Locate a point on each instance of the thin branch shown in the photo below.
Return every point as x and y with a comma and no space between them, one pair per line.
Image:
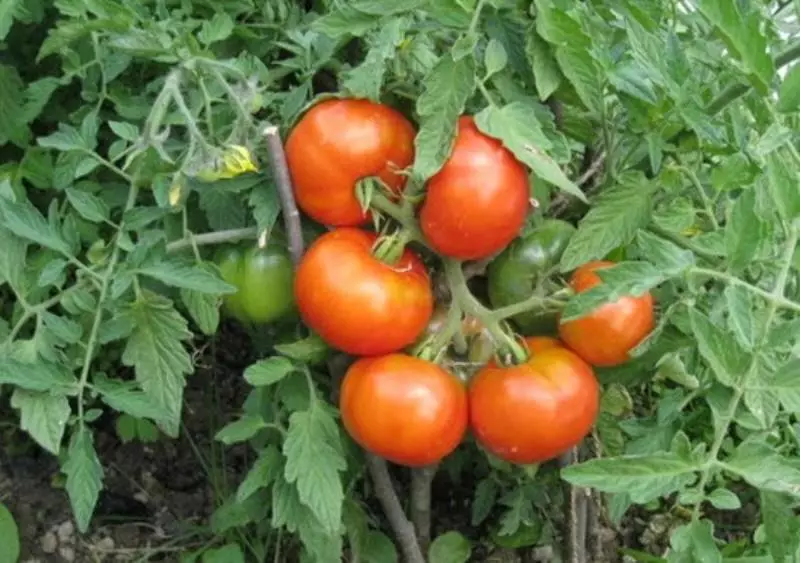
577,512
379,471
280,171
403,529
217,237
421,482
593,169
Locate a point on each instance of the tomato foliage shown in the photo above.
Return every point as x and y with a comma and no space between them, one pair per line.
482,157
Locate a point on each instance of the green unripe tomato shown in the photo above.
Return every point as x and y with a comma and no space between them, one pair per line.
264,279
517,272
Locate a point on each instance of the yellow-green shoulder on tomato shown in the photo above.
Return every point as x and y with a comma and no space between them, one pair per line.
519,270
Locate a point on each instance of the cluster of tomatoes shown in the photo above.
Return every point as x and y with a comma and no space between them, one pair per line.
407,409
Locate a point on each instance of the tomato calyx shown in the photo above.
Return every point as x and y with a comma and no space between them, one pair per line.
389,248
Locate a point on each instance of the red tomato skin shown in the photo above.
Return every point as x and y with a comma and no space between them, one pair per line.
477,203
604,337
336,143
357,303
536,411
405,409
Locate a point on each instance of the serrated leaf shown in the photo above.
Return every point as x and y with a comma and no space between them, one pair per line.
763,468
386,7
269,371
125,397
483,501
12,126
25,221
786,384
546,74
230,553
266,206
186,275
63,328
37,376
741,322
613,221
218,28
240,430
643,477
620,280
723,499
518,127
43,415
789,93
10,534
310,350
495,57
780,524
719,349
65,139
668,257
343,21
450,547
313,461
377,547
54,273
12,259
782,182
745,231
366,79
265,470
447,88
155,351
124,130
203,308
695,542
742,32
84,476
7,10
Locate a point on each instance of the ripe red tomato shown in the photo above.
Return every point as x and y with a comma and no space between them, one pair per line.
403,408
357,303
477,203
604,337
535,411
338,142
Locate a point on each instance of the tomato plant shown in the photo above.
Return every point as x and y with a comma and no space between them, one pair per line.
537,410
523,268
356,302
605,336
477,203
263,278
340,141
405,409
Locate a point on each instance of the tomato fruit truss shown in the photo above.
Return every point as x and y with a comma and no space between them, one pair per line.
405,409
518,272
356,302
537,410
338,142
477,203
606,336
264,281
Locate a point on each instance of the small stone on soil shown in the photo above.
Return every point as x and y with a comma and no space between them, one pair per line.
66,532
105,544
49,542
67,553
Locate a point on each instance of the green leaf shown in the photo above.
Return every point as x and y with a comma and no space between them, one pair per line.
786,385
789,94
613,221
67,138
217,29
42,415
723,499
230,553
7,10
495,58
782,181
269,371
266,206
84,476
123,130
91,207
125,397
12,259
309,350
366,80
155,351
450,547
483,502
37,376
719,349
240,430
12,126
741,323
343,21
763,468
264,471
643,477
668,257
313,461
377,547
545,68
742,33
517,126
25,221
620,280
696,542
9,532
780,524
447,89
180,273
62,328
203,308
745,231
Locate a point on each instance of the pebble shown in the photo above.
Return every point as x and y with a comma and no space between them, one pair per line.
105,544
141,496
49,542
67,553
66,531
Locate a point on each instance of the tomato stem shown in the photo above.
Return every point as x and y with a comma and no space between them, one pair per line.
433,348
389,248
468,303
